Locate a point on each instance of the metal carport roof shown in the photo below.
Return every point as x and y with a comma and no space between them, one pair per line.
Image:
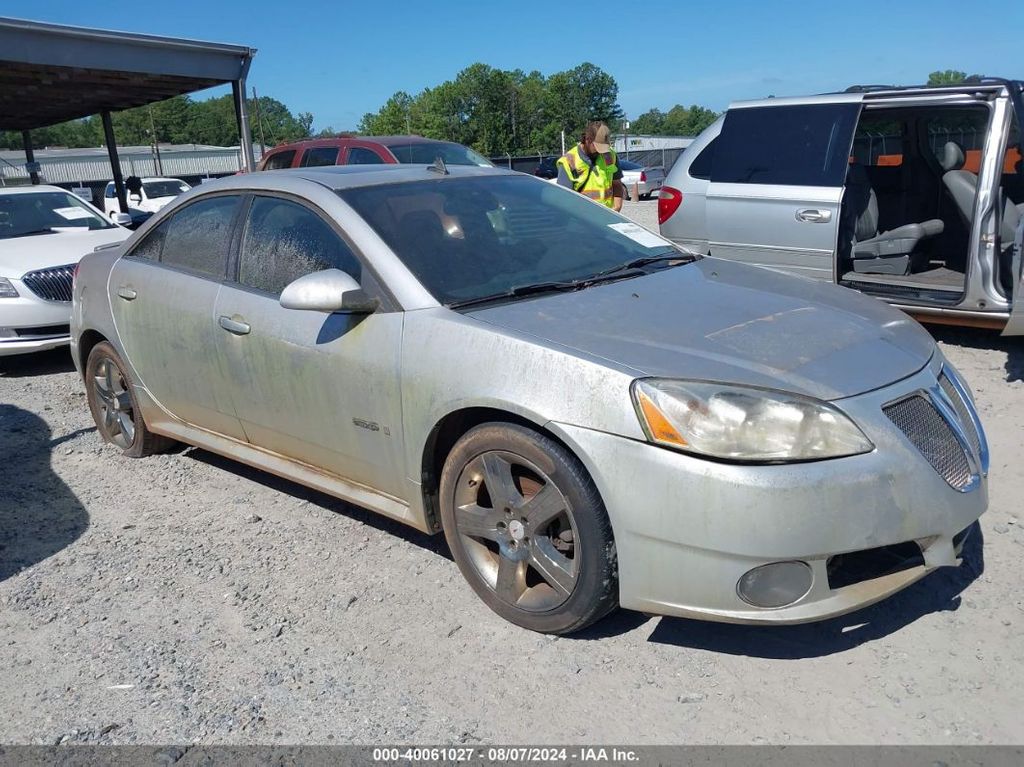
50,73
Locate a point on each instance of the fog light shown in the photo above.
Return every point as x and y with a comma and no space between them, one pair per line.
775,585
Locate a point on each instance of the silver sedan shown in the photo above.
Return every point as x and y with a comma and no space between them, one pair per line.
592,416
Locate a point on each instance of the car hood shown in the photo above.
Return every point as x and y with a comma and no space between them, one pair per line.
720,321
153,204
25,254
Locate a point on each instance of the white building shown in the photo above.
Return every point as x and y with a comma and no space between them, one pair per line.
643,143
91,165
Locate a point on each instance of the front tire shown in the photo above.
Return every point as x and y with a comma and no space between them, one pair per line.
114,406
528,529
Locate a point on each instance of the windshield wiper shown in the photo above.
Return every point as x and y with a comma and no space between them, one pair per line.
622,271
47,230
518,291
637,263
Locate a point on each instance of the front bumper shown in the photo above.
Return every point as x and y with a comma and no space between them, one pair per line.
31,324
687,529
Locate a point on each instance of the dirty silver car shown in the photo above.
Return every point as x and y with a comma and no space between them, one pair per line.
591,415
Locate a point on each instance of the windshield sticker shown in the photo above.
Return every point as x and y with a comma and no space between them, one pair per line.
72,213
639,235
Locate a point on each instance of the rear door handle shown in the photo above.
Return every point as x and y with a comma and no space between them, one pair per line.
127,293
234,326
814,216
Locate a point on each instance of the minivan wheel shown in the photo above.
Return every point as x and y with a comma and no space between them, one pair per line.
114,406
528,529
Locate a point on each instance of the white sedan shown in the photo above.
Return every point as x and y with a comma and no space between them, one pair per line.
44,231
151,197
647,180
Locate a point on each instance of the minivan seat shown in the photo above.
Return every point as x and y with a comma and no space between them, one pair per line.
875,252
963,186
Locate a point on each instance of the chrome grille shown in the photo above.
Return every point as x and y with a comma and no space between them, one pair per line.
929,432
966,422
53,284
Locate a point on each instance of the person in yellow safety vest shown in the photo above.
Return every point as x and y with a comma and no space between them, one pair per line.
591,168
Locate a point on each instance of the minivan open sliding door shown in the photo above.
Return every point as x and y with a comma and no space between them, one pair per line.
777,183
1015,325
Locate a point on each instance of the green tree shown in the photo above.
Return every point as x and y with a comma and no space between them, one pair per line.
580,95
178,120
497,111
392,118
650,123
946,77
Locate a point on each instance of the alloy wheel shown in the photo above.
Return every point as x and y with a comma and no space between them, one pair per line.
117,413
518,531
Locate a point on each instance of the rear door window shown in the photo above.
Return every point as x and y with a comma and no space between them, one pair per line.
701,166
197,238
319,156
800,145
280,160
358,155
284,241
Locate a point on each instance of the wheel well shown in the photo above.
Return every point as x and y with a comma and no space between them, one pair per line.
86,342
450,430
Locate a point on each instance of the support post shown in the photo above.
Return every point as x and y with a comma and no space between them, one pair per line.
242,115
30,156
115,163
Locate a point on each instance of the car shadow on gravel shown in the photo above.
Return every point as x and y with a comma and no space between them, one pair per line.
940,591
39,515
432,543
975,338
37,364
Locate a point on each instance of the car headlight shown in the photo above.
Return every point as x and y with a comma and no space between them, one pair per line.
7,289
743,424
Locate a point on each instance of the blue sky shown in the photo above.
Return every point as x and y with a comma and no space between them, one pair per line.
341,59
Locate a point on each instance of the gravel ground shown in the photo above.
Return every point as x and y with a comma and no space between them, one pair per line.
183,598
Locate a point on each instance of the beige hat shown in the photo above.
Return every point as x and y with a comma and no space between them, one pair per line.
598,133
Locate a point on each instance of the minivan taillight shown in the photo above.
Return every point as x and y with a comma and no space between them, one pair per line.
643,177
669,200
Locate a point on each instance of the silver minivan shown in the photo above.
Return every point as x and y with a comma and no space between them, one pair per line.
912,194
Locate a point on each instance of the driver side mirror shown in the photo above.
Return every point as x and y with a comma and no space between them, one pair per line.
122,219
329,290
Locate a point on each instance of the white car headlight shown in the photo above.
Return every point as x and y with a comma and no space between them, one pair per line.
743,424
7,289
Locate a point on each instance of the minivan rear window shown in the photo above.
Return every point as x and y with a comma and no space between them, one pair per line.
802,145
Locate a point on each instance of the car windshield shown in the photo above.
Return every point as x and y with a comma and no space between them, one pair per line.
469,238
164,188
424,153
627,165
31,213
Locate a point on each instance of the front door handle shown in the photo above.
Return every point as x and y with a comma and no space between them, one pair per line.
814,216
234,326
127,293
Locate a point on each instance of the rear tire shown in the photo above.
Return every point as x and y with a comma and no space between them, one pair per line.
528,529
114,406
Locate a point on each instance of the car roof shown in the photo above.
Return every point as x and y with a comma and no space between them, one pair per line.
858,93
31,189
146,179
351,176
346,140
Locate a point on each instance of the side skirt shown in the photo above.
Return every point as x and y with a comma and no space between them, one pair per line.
288,468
